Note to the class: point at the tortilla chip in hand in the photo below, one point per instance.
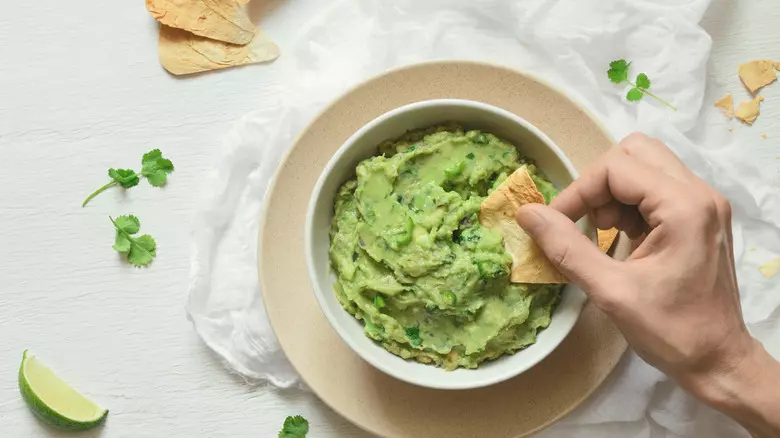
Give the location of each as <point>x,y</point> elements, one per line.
<point>530,264</point>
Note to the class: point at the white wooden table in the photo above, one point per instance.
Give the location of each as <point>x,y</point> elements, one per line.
<point>81,90</point>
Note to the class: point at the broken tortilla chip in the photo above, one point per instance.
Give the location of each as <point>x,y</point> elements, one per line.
<point>757,74</point>
<point>183,53</point>
<point>749,110</point>
<point>222,20</point>
<point>607,238</point>
<point>530,264</point>
<point>770,268</point>
<point>726,105</point>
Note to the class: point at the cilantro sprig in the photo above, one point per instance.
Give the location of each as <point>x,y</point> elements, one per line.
<point>154,168</point>
<point>618,73</point>
<point>139,250</point>
<point>294,427</point>
<point>413,334</point>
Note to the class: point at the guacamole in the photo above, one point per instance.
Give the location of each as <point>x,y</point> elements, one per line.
<point>412,261</point>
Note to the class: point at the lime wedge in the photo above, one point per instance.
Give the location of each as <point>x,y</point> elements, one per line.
<point>54,401</point>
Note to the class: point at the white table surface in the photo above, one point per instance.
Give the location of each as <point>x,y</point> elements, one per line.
<point>81,90</point>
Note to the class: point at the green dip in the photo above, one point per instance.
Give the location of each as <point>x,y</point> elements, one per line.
<point>413,262</point>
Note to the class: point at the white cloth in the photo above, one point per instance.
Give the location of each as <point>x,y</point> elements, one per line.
<point>570,42</point>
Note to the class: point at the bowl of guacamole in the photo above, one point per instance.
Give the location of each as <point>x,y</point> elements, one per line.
<point>400,264</point>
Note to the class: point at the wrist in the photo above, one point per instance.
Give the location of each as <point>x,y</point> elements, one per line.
<point>722,386</point>
<point>744,389</point>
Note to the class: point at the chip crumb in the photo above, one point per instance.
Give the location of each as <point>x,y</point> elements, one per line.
<point>770,268</point>
<point>763,135</point>
<point>757,74</point>
<point>726,105</point>
<point>749,110</point>
<point>731,129</point>
<point>184,53</point>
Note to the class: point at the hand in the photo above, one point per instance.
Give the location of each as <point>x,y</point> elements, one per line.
<point>675,298</point>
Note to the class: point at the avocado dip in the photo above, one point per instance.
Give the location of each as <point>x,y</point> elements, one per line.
<point>414,264</point>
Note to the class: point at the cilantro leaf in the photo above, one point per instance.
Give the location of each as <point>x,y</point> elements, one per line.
<point>122,243</point>
<point>125,177</point>
<point>634,94</point>
<point>139,250</point>
<point>618,71</point>
<point>294,427</point>
<point>480,139</point>
<point>129,224</point>
<point>143,250</point>
<point>642,81</point>
<point>154,168</point>
<point>413,333</point>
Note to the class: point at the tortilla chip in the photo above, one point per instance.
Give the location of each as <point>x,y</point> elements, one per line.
<point>770,268</point>
<point>749,110</point>
<point>726,105</point>
<point>607,238</point>
<point>183,53</point>
<point>222,20</point>
<point>757,74</point>
<point>530,264</point>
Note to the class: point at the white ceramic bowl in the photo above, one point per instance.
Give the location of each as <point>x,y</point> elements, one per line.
<point>341,168</point>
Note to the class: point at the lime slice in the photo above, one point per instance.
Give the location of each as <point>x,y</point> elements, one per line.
<point>53,400</point>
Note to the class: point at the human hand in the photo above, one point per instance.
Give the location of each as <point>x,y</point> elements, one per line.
<point>675,298</point>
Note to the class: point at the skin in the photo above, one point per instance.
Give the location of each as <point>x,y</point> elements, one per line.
<point>676,298</point>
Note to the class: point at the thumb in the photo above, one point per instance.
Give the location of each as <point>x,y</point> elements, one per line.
<point>578,258</point>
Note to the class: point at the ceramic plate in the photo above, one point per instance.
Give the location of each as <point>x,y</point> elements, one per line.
<point>372,400</point>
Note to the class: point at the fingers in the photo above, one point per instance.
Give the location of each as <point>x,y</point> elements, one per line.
<point>654,153</point>
<point>623,217</point>
<point>567,247</point>
<point>618,177</point>
<point>607,216</point>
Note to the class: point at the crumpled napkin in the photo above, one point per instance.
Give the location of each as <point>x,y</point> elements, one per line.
<point>568,42</point>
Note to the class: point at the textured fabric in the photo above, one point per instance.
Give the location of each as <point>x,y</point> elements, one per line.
<point>568,42</point>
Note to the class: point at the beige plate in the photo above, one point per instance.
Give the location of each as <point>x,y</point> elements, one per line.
<point>364,395</point>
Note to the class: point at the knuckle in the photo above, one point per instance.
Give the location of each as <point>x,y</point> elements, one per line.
<point>639,144</point>
<point>699,211</point>
<point>723,205</point>
<point>637,141</point>
<point>709,208</point>
<point>633,141</point>
<point>561,258</point>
